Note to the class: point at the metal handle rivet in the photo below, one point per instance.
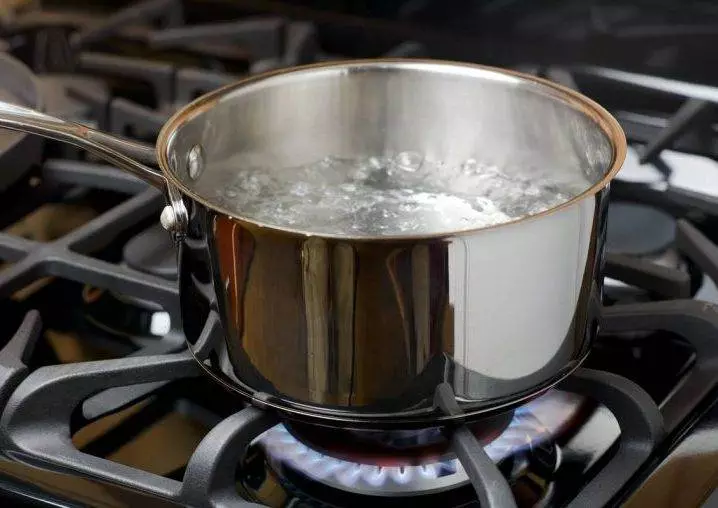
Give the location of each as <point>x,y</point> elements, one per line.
<point>168,219</point>
<point>195,162</point>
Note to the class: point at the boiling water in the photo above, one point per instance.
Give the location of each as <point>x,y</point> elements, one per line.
<point>404,194</point>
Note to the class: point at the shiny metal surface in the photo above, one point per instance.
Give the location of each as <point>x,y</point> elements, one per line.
<point>18,152</point>
<point>365,331</point>
<point>360,331</point>
<point>121,152</point>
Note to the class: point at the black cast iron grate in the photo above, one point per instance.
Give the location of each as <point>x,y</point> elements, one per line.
<point>39,406</point>
<point>35,426</point>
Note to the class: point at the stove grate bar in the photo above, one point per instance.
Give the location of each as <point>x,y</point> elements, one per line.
<point>168,12</point>
<point>130,119</point>
<point>664,281</point>
<point>66,257</point>
<point>675,201</point>
<point>698,248</point>
<point>16,353</point>
<point>88,174</point>
<point>691,115</point>
<point>117,278</point>
<point>700,103</point>
<point>209,479</point>
<point>97,102</point>
<point>47,398</point>
<point>655,83</point>
<point>15,248</point>
<point>143,418</point>
<point>639,418</point>
<point>694,321</point>
<point>113,399</point>
<point>641,426</point>
<point>191,83</point>
<point>645,128</point>
<point>95,234</point>
<point>262,36</point>
<point>491,487</point>
<point>159,75</point>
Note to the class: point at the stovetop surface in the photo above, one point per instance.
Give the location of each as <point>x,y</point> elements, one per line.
<point>103,407</point>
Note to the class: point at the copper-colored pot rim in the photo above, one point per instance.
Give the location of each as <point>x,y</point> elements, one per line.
<point>606,122</point>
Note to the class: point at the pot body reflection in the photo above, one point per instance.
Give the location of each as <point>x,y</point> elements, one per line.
<point>360,329</point>
<point>363,332</point>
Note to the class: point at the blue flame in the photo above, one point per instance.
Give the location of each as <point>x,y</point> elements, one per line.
<point>524,431</point>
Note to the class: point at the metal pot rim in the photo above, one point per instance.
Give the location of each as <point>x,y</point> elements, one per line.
<point>605,121</point>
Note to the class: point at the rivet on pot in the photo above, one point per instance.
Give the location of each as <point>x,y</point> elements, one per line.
<point>195,162</point>
<point>168,219</point>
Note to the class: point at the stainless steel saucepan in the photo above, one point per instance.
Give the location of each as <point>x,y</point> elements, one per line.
<point>359,331</point>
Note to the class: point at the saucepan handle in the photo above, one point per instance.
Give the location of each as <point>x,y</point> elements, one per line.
<point>125,154</point>
<point>117,151</point>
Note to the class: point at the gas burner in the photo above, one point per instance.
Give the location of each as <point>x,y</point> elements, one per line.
<point>150,252</point>
<point>635,229</point>
<point>531,427</point>
<point>646,233</point>
<point>648,200</point>
<point>391,448</point>
<point>124,316</point>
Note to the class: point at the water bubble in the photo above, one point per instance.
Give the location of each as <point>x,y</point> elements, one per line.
<point>470,166</point>
<point>360,174</point>
<point>409,161</point>
<point>326,162</point>
<point>300,189</point>
<point>375,163</point>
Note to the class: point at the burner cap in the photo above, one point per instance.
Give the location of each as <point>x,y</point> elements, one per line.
<point>638,230</point>
<point>531,428</point>
<point>152,252</point>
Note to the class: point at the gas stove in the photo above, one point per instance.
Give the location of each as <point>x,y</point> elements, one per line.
<point>101,403</point>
